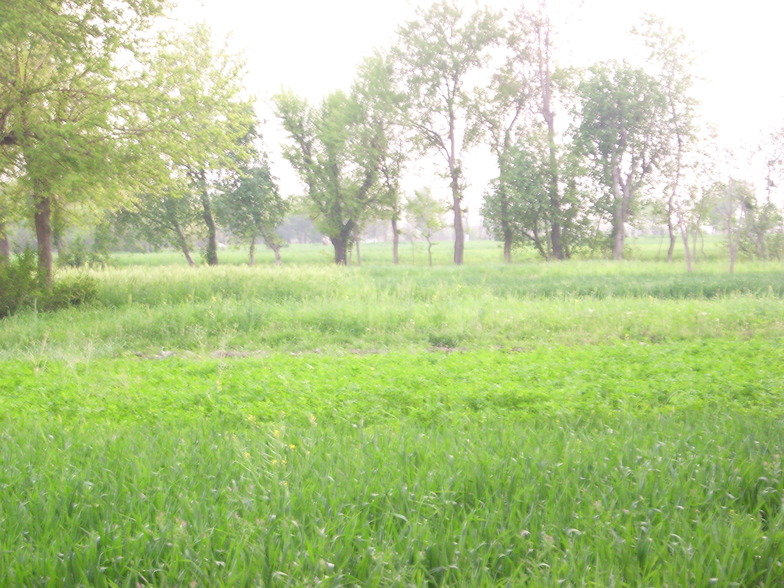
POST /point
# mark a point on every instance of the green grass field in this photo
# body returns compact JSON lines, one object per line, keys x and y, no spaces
{"x":585,"y":423}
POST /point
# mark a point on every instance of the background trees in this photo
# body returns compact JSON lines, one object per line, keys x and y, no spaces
{"x":620,"y":136}
{"x":438,"y":56}
{"x":98,"y":114}
{"x":335,"y":151}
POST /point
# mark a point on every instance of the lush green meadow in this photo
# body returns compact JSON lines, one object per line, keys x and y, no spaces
{"x":569,"y":424}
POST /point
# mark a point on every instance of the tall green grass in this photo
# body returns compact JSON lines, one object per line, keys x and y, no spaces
{"x":566,"y":424}
{"x":686,"y":500}
{"x":306,"y":308}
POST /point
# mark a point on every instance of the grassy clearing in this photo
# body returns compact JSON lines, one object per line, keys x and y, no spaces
{"x":431,"y":387}
{"x":307,"y":308}
{"x":570,"y":424}
{"x":478,"y":252}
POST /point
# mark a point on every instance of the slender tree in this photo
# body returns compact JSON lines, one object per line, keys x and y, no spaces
{"x":425,"y":214}
{"x":670,"y":59}
{"x":438,"y":57}
{"x":385,"y":111}
{"x":205,"y":119}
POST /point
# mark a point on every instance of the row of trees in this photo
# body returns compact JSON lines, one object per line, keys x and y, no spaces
{"x":456,"y":80}
{"x":98,"y":116}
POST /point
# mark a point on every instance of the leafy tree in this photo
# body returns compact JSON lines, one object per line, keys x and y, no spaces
{"x":517,"y":209}
{"x":425,"y":214}
{"x":206,"y":122}
{"x":254,"y":208}
{"x":670,"y":59}
{"x":517,"y":113}
{"x":162,"y":220}
{"x":334,"y":150}
{"x":438,"y":57}
{"x":66,"y":135}
{"x":620,"y":137}
{"x":385,"y":108}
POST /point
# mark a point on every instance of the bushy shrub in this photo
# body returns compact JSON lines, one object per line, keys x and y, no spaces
{"x":19,"y":283}
{"x":22,"y":286}
{"x":70,"y":291}
{"x":79,"y":254}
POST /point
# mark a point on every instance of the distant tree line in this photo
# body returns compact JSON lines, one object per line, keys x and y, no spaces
{"x":156,"y":136}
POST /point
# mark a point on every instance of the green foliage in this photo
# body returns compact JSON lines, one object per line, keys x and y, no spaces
{"x":78,"y":253}
{"x":255,"y":207}
{"x":19,"y":283}
{"x":333,"y":151}
{"x":22,"y":286}
{"x":621,"y":137}
{"x":67,"y":128}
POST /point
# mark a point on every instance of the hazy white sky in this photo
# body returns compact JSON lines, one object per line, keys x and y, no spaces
{"x":314,"y":46}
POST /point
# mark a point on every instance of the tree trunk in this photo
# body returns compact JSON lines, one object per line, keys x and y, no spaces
{"x":620,"y":192}
{"x":183,"y":243}
{"x":252,"y":251}
{"x":395,"y":241}
{"x":211,"y":252}
{"x":687,"y":250}
{"x":508,"y":246}
{"x":454,"y":172}
{"x":459,"y":232}
{"x":732,"y":245}
{"x":269,"y":241}
{"x":359,"y":255}
{"x":544,"y":67}
{"x":671,"y":229}
{"x":340,"y":243}
{"x":429,"y":252}
{"x":555,"y":199}
{"x":43,"y":235}
{"x":5,"y":245}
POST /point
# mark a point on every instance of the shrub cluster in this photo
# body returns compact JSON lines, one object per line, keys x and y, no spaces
{"x":22,"y":286}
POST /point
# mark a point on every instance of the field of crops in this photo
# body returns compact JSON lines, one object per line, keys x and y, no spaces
{"x":585,"y":423}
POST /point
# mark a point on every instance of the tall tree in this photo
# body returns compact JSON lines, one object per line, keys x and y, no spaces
{"x":670,"y":59}
{"x":542,"y":51}
{"x":206,"y":120}
{"x":385,"y":107}
{"x":438,"y":56}
{"x":63,"y":117}
{"x":620,"y":136}
{"x":333,"y":149}
{"x":505,"y":110}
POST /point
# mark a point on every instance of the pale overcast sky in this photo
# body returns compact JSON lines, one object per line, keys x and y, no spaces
{"x":313,"y":46}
